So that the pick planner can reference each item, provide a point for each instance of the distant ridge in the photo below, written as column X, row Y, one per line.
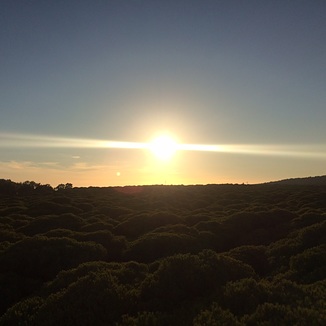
column 307, row 181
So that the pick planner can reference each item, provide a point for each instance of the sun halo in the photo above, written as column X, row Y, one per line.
column 163, row 147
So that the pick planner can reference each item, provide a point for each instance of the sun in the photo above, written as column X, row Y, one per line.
column 163, row 147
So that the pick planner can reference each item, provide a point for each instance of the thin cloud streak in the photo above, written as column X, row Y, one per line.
column 8, row 140
column 312, row 151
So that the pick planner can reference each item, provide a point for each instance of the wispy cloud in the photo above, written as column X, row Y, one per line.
column 83, row 166
column 82, row 173
column 14, row 165
column 11, row 140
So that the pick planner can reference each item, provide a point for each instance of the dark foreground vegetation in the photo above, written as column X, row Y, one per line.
column 162, row 255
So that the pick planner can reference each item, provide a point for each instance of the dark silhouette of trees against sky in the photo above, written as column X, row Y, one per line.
column 162, row 255
column 62, row 186
column 8, row 187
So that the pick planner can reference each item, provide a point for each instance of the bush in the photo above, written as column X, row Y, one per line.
column 94, row 299
column 255, row 256
column 310, row 265
column 216, row 316
column 275, row 314
column 153, row 246
column 243, row 296
column 186, row 277
column 42, row 258
column 49, row 222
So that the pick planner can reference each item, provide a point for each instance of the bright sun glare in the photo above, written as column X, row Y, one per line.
column 163, row 147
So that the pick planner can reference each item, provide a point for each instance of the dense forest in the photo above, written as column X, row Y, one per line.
column 163, row 255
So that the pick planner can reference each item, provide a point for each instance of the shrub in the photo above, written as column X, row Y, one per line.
column 215, row 316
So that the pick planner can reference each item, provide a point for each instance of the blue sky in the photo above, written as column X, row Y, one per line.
column 207, row 72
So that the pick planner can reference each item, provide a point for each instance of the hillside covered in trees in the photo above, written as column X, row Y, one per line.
column 307, row 181
column 162, row 255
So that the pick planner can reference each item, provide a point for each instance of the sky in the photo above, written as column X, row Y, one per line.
column 247, row 77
